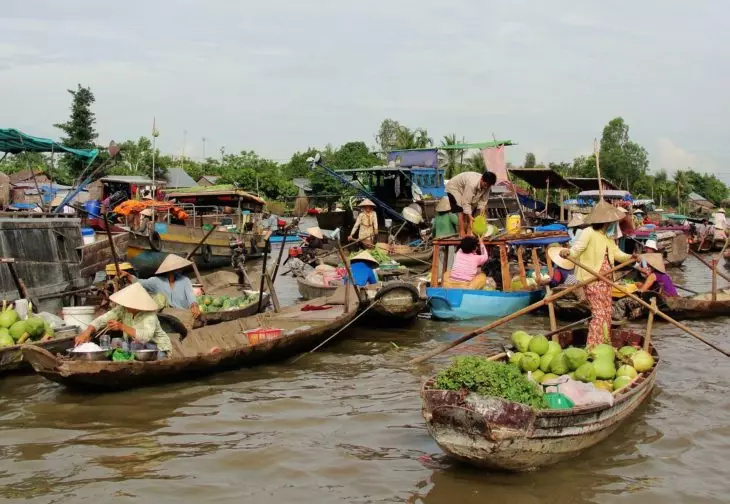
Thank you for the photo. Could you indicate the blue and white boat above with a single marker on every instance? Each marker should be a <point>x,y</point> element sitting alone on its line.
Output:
<point>464,304</point>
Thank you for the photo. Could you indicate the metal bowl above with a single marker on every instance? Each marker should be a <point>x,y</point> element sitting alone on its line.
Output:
<point>99,355</point>
<point>145,355</point>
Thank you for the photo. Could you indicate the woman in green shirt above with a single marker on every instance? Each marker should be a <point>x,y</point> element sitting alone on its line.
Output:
<point>445,223</point>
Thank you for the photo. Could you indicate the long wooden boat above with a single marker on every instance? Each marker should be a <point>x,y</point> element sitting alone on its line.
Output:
<point>11,358</point>
<point>699,245</point>
<point>464,304</point>
<point>498,434</point>
<point>409,257</point>
<point>309,290</point>
<point>207,350</point>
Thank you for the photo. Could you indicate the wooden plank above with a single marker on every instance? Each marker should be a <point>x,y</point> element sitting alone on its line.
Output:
<point>435,266</point>
<point>504,262</point>
<point>272,291</point>
<point>649,325</point>
<point>521,265</point>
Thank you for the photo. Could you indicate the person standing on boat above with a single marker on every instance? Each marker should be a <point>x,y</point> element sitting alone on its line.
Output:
<point>363,267</point>
<point>466,271</point>
<point>169,282</point>
<point>366,225</point>
<point>135,316</point>
<point>596,249</point>
<point>656,280</point>
<point>469,192</point>
<point>575,226</point>
<point>445,223</point>
<point>719,219</point>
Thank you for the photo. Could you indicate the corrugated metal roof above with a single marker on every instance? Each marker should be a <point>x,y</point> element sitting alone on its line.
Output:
<point>177,177</point>
<point>131,179</point>
<point>693,196</point>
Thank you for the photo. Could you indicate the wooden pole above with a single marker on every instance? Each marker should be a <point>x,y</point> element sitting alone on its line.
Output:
<point>281,253</point>
<point>435,265</point>
<point>200,243</point>
<point>551,311</point>
<point>597,153</point>
<point>521,265</point>
<point>350,277</point>
<point>115,258</point>
<point>647,305</point>
<point>274,297</point>
<point>649,324</point>
<point>714,279</point>
<point>512,316</point>
<point>263,275</point>
<point>549,263</point>
<point>19,284</point>
<point>704,261</point>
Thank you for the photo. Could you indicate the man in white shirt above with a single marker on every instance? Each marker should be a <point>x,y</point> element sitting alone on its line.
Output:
<point>466,191</point>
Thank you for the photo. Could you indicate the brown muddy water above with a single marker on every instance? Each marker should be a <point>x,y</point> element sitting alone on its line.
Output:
<point>344,425</point>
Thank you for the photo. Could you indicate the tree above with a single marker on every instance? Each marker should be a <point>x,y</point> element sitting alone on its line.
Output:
<point>451,159</point>
<point>23,161</point>
<point>79,129</point>
<point>476,163</point>
<point>297,165</point>
<point>385,138</point>
<point>681,185</point>
<point>530,160</point>
<point>407,138</point>
<point>354,155</point>
<point>622,161</point>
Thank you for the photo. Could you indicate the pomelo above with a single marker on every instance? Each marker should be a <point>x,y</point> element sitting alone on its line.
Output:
<point>521,341</point>
<point>575,357</point>
<point>558,364</point>
<point>6,340</point>
<point>554,347</point>
<point>18,330</point>
<point>626,352</point>
<point>605,368</point>
<point>586,373</point>
<point>602,351</point>
<point>642,361</point>
<point>548,377</point>
<point>537,376</point>
<point>626,370</point>
<point>539,345</point>
<point>8,318</point>
<point>530,362</point>
<point>603,385</point>
<point>516,358</point>
<point>621,382</point>
<point>545,362</point>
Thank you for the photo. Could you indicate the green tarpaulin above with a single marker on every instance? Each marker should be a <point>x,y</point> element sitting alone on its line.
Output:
<point>15,142</point>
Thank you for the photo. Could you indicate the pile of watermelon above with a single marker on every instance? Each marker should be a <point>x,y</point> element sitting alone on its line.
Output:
<point>213,304</point>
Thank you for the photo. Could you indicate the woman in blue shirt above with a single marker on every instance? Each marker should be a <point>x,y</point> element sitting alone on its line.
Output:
<point>363,267</point>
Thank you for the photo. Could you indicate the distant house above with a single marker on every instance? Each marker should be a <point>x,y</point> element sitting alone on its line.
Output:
<point>178,178</point>
<point>699,204</point>
<point>27,176</point>
<point>208,180</point>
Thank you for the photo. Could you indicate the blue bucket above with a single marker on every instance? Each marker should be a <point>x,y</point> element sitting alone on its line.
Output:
<point>93,207</point>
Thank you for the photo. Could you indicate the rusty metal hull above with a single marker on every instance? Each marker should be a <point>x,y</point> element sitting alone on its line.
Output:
<point>497,434</point>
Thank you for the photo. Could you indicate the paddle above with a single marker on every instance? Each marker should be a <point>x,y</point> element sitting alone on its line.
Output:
<point>512,316</point>
<point>703,261</point>
<point>650,307</point>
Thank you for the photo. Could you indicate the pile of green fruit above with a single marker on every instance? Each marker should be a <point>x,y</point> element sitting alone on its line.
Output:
<point>14,331</point>
<point>378,254</point>
<point>604,366</point>
<point>212,304</point>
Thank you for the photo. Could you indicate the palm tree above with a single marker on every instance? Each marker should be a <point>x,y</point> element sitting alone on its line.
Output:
<point>681,185</point>
<point>476,163</point>
<point>451,159</point>
<point>406,138</point>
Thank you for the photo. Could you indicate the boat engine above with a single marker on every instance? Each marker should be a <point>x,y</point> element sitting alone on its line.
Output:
<point>238,261</point>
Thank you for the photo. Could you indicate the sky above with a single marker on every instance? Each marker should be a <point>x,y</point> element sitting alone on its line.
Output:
<point>280,76</point>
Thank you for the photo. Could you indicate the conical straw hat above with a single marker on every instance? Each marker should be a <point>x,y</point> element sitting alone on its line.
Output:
<point>655,260</point>
<point>134,296</point>
<point>365,256</point>
<point>603,213</point>
<point>444,205</point>
<point>171,263</point>
<point>316,232</point>
<point>554,253</point>
<point>578,219</point>
<point>367,202</point>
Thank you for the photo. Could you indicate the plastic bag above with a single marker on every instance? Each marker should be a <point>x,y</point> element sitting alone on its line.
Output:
<point>121,355</point>
<point>582,394</point>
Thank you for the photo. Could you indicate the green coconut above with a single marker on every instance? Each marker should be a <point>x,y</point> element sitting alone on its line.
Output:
<point>539,345</point>
<point>521,341</point>
<point>605,368</point>
<point>575,357</point>
<point>586,373</point>
<point>35,327</point>
<point>530,362</point>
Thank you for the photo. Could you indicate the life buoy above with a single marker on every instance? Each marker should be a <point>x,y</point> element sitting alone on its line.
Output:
<point>155,241</point>
<point>206,253</point>
<point>391,286</point>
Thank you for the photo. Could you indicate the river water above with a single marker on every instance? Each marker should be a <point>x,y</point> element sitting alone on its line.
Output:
<point>344,425</point>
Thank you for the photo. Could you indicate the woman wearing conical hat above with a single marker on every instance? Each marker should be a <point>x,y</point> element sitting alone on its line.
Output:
<point>596,249</point>
<point>135,315</point>
<point>170,283</point>
<point>654,271</point>
<point>366,224</point>
<point>363,267</point>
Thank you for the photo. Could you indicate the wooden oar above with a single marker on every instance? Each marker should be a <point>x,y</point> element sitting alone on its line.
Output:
<point>512,316</point>
<point>685,289</point>
<point>704,261</point>
<point>654,309</point>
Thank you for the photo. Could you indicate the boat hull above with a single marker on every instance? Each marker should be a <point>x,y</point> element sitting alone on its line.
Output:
<point>12,361</point>
<point>497,434</point>
<point>464,304</point>
<point>308,290</point>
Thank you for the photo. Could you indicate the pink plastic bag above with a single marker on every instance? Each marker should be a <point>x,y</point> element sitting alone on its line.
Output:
<point>582,394</point>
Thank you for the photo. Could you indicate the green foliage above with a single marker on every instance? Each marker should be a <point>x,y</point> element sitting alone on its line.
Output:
<point>24,161</point>
<point>530,160</point>
<point>406,138</point>
<point>79,129</point>
<point>354,155</point>
<point>135,158</point>
<point>476,163</point>
<point>488,378</point>
<point>386,135</point>
<point>453,159</point>
<point>297,165</point>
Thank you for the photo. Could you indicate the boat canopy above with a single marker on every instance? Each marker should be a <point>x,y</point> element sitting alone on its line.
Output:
<point>226,190</point>
<point>607,193</point>
<point>542,178</point>
<point>13,141</point>
<point>591,183</point>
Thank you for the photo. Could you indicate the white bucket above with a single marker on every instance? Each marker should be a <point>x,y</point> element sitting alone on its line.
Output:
<point>80,316</point>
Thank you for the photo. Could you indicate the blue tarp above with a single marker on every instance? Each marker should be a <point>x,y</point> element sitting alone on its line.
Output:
<point>537,242</point>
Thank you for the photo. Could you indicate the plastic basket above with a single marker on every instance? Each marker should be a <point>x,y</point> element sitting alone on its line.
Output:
<point>261,334</point>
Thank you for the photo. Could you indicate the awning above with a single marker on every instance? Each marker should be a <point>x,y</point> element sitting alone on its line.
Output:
<point>538,242</point>
<point>591,184</point>
<point>539,178</point>
<point>14,142</point>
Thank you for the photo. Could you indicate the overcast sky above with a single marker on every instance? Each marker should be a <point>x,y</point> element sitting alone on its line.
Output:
<point>278,76</point>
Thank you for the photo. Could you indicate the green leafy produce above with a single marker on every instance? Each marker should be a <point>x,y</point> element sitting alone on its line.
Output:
<point>586,373</point>
<point>559,364</point>
<point>19,331</point>
<point>521,341</point>
<point>626,370</point>
<point>621,382</point>
<point>378,254</point>
<point>218,302</point>
<point>516,358</point>
<point>603,351</point>
<point>120,355</point>
<point>575,357</point>
<point>530,362</point>
<point>539,345</point>
<point>605,368</point>
<point>488,378</point>
<point>545,361</point>
<point>8,317</point>
<point>642,361</point>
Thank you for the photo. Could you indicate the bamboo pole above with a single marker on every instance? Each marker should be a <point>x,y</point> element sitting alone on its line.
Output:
<point>649,324</point>
<point>350,277</point>
<point>512,316</point>
<point>704,261</point>
<point>521,265</point>
<point>714,279</point>
<point>551,310</point>
<point>647,305</point>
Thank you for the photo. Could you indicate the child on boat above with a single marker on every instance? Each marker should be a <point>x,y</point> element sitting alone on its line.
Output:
<point>363,267</point>
<point>656,280</point>
<point>445,223</point>
<point>466,271</point>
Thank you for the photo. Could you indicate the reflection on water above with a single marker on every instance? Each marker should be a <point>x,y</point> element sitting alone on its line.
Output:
<point>344,424</point>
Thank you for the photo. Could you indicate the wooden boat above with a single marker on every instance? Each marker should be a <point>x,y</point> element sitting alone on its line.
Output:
<point>11,358</point>
<point>697,306</point>
<point>698,244</point>
<point>246,311</point>
<point>464,304</point>
<point>207,350</point>
<point>95,256</point>
<point>410,257</point>
<point>673,245</point>
<point>396,303</point>
<point>497,434</point>
<point>309,290</point>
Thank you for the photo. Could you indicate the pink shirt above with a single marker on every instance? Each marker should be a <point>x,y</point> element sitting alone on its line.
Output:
<point>466,266</point>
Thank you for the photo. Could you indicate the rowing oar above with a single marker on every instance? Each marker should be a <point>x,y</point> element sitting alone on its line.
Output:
<point>654,309</point>
<point>703,261</point>
<point>512,316</point>
<point>685,289</point>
